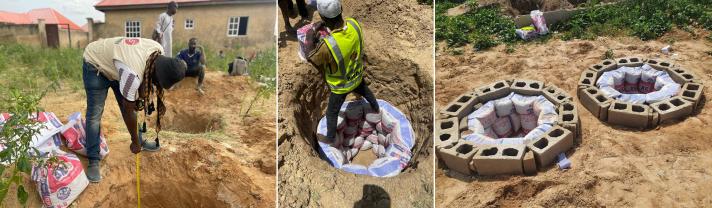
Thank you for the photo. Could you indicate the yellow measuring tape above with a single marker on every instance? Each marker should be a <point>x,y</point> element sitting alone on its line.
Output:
<point>138,178</point>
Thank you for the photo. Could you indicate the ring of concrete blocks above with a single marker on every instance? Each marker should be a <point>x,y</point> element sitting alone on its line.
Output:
<point>469,158</point>
<point>639,115</point>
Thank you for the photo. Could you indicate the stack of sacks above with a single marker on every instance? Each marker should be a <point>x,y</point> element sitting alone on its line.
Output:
<point>387,134</point>
<point>637,85</point>
<point>57,184</point>
<point>360,128</point>
<point>512,119</point>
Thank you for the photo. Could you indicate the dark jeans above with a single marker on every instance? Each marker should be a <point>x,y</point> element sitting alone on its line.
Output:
<point>196,71</point>
<point>335,102</point>
<point>96,87</point>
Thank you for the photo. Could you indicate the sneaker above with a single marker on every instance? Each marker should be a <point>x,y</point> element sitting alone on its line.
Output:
<point>93,171</point>
<point>150,146</point>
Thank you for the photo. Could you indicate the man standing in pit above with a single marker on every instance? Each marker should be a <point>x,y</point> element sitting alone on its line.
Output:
<point>194,56</point>
<point>164,29</point>
<point>136,71</point>
<point>339,56</point>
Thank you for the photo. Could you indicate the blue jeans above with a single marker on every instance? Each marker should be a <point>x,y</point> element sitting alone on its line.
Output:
<point>96,87</point>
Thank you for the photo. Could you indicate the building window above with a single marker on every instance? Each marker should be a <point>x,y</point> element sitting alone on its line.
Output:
<point>237,26</point>
<point>133,29</point>
<point>189,24</point>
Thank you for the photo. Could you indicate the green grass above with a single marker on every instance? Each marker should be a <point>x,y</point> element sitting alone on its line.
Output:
<point>486,27</point>
<point>265,65</point>
<point>645,19</point>
<point>34,69</point>
<point>483,27</point>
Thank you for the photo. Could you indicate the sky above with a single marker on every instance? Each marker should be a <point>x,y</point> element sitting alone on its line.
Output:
<point>75,10</point>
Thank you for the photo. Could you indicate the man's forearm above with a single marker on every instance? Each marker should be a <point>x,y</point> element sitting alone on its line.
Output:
<point>130,119</point>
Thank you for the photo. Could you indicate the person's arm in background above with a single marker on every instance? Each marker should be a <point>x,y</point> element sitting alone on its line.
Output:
<point>159,26</point>
<point>202,55</point>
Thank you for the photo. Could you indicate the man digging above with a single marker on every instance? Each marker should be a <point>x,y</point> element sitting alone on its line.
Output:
<point>339,56</point>
<point>134,69</point>
<point>196,62</point>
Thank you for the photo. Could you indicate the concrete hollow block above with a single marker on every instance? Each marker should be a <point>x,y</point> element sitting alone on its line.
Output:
<point>672,108</point>
<point>499,159</point>
<point>556,95</point>
<point>527,87</point>
<point>448,124</point>
<point>603,66</point>
<point>629,114</point>
<point>461,106</point>
<point>457,158</point>
<point>550,144</point>
<point>529,163</point>
<point>653,119</point>
<point>588,78</point>
<point>595,102</point>
<point>445,139</point>
<point>493,91</point>
<point>659,64</point>
<point>630,61</point>
<point>682,76</point>
<point>692,92</point>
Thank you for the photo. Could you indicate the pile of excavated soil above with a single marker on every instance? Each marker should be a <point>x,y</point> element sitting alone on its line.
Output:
<point>613,166</point>
<point>211,156</point>
<point>398,46</point>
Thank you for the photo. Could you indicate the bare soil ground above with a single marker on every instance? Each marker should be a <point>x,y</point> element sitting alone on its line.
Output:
<point>398,46</point>
<point>211,155</point>
<point>669,166</point>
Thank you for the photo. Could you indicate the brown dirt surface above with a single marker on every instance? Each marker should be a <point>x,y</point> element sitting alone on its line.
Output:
<point>669,166</point>
<point>210,155</point>
<point>398,45</point>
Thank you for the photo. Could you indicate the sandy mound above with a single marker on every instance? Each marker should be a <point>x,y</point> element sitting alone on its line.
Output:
<point>399,71</point>
<point>211,155</point>
<point>613,166</point>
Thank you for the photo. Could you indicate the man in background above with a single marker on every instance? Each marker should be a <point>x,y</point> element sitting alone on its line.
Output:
<point>164,29</point>
<point>194,57</point>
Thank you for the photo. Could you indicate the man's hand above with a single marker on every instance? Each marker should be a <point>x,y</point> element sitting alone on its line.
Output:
<point>135,147</point>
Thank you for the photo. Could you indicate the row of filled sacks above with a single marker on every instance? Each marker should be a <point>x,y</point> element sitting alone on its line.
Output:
<point>514,116</point>
<point>387,133</point>
<point>59,183</point>
<point>637,85</point>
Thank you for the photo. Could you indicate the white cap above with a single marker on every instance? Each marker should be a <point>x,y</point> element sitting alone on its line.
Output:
<point>329,8</point>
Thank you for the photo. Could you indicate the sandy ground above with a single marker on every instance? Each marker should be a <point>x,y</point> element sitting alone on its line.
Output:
<point>398,45</point>
<point>211,156</point>
<point>669,166</point>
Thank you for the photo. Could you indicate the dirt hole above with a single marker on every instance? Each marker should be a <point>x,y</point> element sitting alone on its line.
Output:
<point>191,121</point>
<point>411,82</point>
<point>693,87</point>
<point>664,107</point>
<point>620,106</point>
<point>638,109</point>
<point>464,99</point>
<point>192,177</point>
<point>454,108</point>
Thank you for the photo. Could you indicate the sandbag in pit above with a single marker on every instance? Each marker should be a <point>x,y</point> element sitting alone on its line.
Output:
<point>388,134</point>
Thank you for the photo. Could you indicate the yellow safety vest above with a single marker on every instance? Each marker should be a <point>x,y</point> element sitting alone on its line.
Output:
<point>346,47</point>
